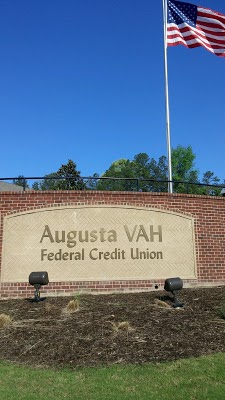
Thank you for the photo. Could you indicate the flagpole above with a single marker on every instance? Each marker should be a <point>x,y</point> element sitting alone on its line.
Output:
<point>170,185</point>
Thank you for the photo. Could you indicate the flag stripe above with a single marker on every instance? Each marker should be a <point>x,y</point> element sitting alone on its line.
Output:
<point>186,31</point>
<point>191,36</point>
<point>211,22</point>
<point>213,14</point>
<point>212,28</point>
<point>201,26</point>
<point>195,43</point>
<point>195,26</point>
<point>189,40</point>
<point>198,30</point>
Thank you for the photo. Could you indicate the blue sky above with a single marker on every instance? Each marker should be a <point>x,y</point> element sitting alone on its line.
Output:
<point>84,80</point>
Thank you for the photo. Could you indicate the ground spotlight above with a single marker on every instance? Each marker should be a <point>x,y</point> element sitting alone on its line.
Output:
<point>172,285</point>
<point>38,279</point>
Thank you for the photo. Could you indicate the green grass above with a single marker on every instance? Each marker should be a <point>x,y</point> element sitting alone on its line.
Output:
<point>192,379</point>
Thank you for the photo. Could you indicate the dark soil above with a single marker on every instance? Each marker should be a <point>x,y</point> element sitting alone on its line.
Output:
<point>45,334</point>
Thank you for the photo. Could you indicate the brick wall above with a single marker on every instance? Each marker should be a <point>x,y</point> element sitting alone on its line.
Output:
<point>208,213</point>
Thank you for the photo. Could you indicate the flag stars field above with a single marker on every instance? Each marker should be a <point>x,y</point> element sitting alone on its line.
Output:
<point>195,26</point>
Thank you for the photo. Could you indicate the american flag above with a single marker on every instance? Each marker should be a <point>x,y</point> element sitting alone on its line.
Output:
<point>195,26</point>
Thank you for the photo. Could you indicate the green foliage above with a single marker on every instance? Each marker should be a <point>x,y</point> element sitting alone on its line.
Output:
<point>183,162</point>
<point>118,169</point>
<point>49,183</point>
<point>147,170</point>
<point>142,167</point>
<point>210,179</point>
<point>143,174</point>
<point>20,181</point>
<point>69,170</point>
<point>91,184</point>
<point>201,378</point>
<point>36,186</point>
<point>66,178</point>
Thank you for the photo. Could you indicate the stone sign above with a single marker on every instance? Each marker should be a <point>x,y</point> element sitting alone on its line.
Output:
<point>92,243</point>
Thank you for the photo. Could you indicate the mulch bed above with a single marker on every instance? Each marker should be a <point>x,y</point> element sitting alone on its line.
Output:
<point>109,329</point>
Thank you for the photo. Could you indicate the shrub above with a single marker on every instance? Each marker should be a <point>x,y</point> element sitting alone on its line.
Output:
<point>5,320</point>
<point>72,306</point>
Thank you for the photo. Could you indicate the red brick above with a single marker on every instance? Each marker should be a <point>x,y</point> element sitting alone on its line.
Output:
<point>209,222</point>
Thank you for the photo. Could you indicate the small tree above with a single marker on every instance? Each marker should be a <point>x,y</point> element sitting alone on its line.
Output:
<point>92,184</point>
<point>66,178</point>
<point>21,181</point>
<point>118,169</point>
<point>49,183</point>
<point>209,178</point>
<point>71,179</point>
<point>183,162</point>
